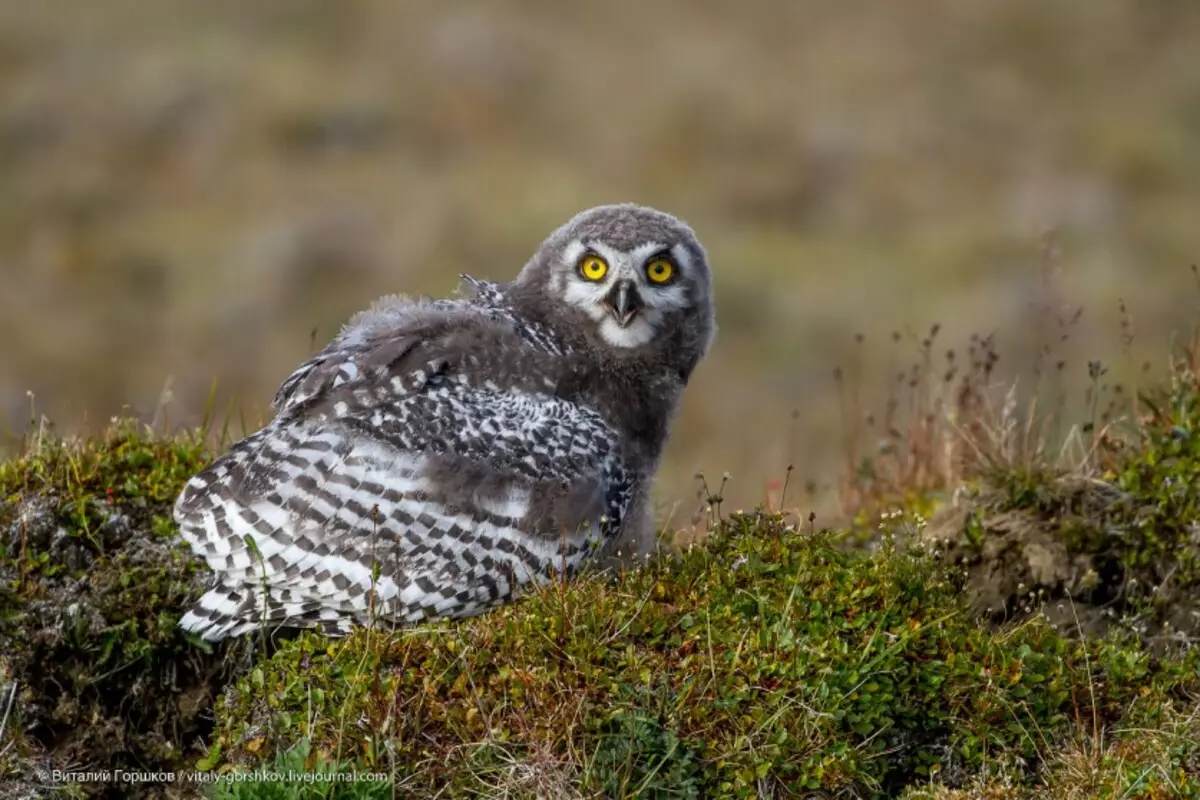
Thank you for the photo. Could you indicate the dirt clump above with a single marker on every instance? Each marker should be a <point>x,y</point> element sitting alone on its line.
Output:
<point>1065,551</point>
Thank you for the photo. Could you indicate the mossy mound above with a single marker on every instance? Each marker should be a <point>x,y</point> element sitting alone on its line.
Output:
<point>92,583</point>
<point>1117,545</point>
<point>767,662</point>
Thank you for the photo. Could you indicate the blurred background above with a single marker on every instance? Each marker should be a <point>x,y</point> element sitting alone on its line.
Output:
<point>191,191</point>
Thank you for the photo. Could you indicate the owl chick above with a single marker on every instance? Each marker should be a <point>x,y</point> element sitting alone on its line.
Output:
<point>441,455</point>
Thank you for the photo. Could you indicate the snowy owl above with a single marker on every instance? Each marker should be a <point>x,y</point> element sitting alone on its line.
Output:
<point>440,455</point>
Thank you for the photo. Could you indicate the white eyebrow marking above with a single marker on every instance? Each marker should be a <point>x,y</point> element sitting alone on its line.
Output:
<point>642,252</point>
<point>682,257</point>
<point>573,252</point>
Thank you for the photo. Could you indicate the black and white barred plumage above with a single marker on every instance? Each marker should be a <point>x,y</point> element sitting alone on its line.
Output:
<point>439,455</point>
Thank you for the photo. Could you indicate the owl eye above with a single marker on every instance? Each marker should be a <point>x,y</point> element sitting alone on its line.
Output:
<point>593,267</point>
<point>660,270</point>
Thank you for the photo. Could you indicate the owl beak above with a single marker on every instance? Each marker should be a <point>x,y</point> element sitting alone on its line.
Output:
<point>623,302</point>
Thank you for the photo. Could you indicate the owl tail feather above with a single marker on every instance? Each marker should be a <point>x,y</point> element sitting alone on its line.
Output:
<point>229,611</point>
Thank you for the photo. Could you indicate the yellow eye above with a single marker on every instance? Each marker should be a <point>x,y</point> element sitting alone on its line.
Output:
<point>593,268</point>
<point>660,270</point>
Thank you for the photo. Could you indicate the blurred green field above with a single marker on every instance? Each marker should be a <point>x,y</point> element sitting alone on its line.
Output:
<point>188,191</point>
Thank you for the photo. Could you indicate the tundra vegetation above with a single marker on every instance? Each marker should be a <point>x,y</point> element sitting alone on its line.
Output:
<point>1010,607</point>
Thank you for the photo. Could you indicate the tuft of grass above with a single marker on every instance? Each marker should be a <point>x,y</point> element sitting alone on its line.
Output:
<point>1113,535</point>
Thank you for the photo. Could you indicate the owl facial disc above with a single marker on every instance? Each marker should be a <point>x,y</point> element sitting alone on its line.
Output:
<point>632,280</point>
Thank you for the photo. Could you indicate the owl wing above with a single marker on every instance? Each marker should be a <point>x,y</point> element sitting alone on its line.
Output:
<point>374,345</point>
<point>406,475</point>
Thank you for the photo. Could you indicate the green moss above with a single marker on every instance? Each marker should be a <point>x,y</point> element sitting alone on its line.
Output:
<point>93,583</point>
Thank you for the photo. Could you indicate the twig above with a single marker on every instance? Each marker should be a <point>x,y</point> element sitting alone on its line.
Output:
<point>12,696</point>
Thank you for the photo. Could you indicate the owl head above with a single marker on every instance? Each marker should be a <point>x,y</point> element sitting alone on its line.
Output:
<point>633,280</point>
